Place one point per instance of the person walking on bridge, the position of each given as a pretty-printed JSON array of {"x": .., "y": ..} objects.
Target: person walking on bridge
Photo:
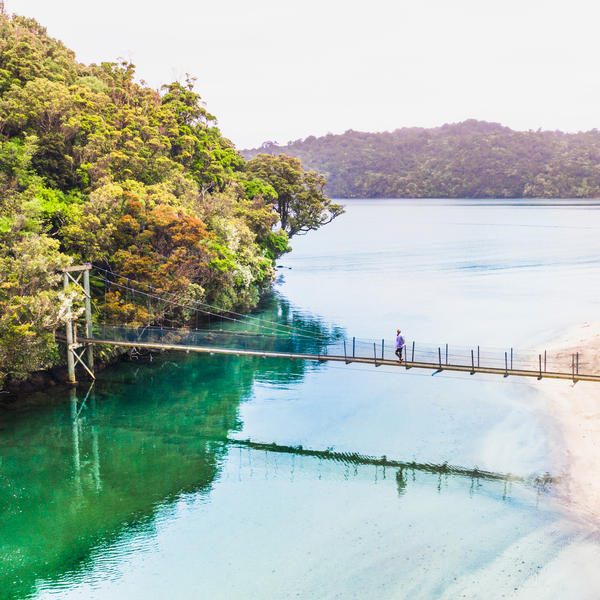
[{"x": 399, "y": 344}]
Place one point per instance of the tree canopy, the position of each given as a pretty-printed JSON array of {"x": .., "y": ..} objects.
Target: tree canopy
[
  {"x": 95, "y": 166},
  {"x": 300, "y": 202}
]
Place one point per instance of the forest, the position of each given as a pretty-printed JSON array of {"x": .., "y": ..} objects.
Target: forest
[
  {"x": 472, "y": 159},
  {"x": 97, "y": 167}
]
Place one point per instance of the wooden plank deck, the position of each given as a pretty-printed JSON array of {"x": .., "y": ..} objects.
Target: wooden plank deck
[{"x": 377, "y": 362}]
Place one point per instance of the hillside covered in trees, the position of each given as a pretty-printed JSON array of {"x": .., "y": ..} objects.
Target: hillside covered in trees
[
  {"x": 95, "y": 167},
  {"x": 473, "y": 159}
]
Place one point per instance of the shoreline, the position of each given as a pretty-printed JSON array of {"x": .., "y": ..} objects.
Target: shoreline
[
  {"x": 32, "y": 391},
  {"x": 575, "y": 409}
]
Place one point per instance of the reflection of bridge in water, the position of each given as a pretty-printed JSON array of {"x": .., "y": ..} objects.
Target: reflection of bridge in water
[
  {"x": 285, "y": 339},
  {"x": 404, "y": 470}
]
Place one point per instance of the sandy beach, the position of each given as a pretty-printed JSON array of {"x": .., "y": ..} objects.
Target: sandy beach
[{"x": 576, "y": 410}]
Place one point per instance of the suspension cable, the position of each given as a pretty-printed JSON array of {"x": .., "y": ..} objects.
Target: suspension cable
[
  {"x": 199, "y": 331},
  {"x": 188, "y": 307},
  {"x": 197, "y": 302}
]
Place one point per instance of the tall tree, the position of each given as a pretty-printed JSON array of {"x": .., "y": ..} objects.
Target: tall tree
[{"x": 301, "y": 204}]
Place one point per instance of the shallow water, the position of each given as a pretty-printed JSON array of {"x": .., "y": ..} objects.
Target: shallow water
[{"x": 206, "y": 477}]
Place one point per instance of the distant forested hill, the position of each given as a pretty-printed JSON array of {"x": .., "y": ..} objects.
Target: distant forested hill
[{"x": 473, "y": 159}]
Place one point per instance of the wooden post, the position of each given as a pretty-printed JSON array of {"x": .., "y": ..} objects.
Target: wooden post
[
  {"x": 440, "y": 357},
  {"x": 69, "y": 332},
  {"x": 413, "y": 352},
  {"x": 382, "y": 343},
  {"x": 353, "y": 346},
  {"x": 345, "y": 357},
  {"x": 375, "y": 353},
  {"x": 446, "y": 353},
  {"x": 573, "y": 367},
  {"x": 472, "y": 362},
  {"x": 506, "y": 364},
  {"x": 545, "y": 361},
  {"x": 75, "y": 274},
  {"x": 88, "y": 318},
  {"x": 577, "y": 363},
  {"x": 540, "y": 367},
  {"x": 478, "y": 357},
  {"x": 511, "y": 359}
]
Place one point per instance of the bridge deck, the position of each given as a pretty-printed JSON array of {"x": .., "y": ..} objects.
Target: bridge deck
[{"x": 434, "y": 366}]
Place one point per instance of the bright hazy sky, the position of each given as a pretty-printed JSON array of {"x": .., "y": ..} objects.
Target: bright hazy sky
[{"x": 281, "y": 70}]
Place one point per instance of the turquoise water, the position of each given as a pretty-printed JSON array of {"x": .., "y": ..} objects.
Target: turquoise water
[{"x": 205, "y": 477}]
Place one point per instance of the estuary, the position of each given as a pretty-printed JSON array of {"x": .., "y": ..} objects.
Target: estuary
[{"x": 229, "y": 477}]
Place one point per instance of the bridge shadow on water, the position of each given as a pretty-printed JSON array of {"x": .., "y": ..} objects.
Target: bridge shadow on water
[{"x": 96, "y": 464}]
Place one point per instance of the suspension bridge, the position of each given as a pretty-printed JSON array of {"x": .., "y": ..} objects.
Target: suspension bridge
[{"x": 261, "y": 337}]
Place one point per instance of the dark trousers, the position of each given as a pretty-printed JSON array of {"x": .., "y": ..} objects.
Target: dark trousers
[{"x": 399, "y": 353}]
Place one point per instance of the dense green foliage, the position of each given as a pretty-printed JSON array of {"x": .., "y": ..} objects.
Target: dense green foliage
[
  {"x": 472, "y": 159},
  {"x": 96, "y": 167},
  {"x": 300, "y": 203}
]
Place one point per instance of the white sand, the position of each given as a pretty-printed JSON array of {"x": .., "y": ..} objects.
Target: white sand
[{"x": 576, "y": 410}]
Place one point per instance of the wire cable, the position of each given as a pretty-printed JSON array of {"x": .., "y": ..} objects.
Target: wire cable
[
  {"x": 188, "y": 307},
  {"x": 197, "y": 302}
]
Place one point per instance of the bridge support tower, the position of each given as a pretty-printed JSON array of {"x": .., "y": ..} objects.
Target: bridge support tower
[{"x": 80, "y": 276}]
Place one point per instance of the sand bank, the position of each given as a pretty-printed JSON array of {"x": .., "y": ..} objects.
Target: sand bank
[{"x": 576, "y": 410}]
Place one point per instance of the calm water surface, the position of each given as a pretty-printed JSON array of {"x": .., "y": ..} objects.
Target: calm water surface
[{"x": 200, "y": 477}]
